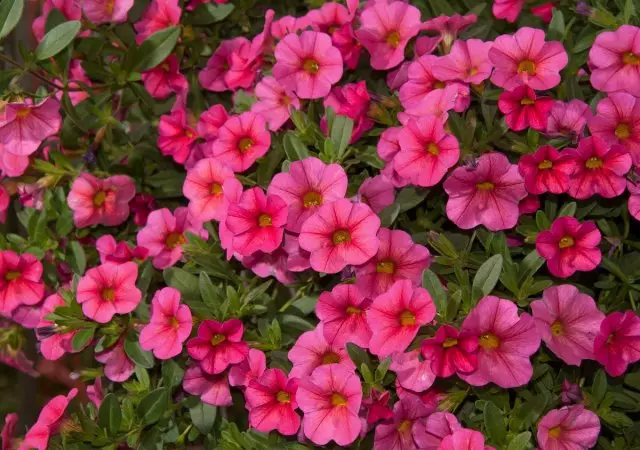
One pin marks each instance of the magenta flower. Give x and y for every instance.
(432, 430)
(523, 109)
(634, 197)
(343, 315)
(271, 401)
(568, 119)
(618, 122)
(233, 65)
(330, 399)
(252, 367)
(568, 322)
(572, 427)
(615, 61)
(211, 121)
(339, 234)
(112, 11)
(117, 365)
(397, 315)
(508, 10)
(308, 64)
(26, 125)
(141, 206)
(412, 372)
(212, 389)
(468, 61)
(385, 29)
(398, 258)
(397, 434)
(53, 344)
(421, 81)
(272, 264)
(159, 15)
(274, 102)
(464, 439)
(312, 350)
(486, 193)
(618, 343)
(506, 342)
(351, 100)
(218, 345)
(165, 79)
(118, 252)
(176, 136)
(20, 281)
(450, 351)
(546, 170)
(48, 423)
(309, 184)
(524, 58)
(378, 192)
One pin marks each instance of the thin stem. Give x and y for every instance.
(37, 75)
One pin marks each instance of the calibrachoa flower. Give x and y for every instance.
(523, 109)
(330, 399)
(20, 280)
(274, 102)
(53, 345)
(615, 61)
(48, 423)
(618, 343)
(421, 81)
(312, 350)
(412, 371)
(450, 351)
(464, 439)
(351, 100)
(398, 434)
(204, 188)
(100, 11)
(568, 119)
(159, 15)
(165, 79)
(434, 428)
(508, 10)
(252, 367)
(546, 170)
(117, 365)
(211, 121)
(343, 315)
(218, 345)
(118, 252)
(212, 389)
(571, 427)
(468, 61)
(378, 192)
(570, 246)
(176, 136)
(271, 400)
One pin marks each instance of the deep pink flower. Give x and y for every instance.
(218, 345)
(568, 119)
(176, 136)
(329, 17)
(111, 11)
(375, 407)
(398, 433)
(618, 343)
(544, 11)
(212, 389)
(26, 125)
(48, 423)
(385, 29)
(450, 351)
(506, 342)
(523, 109)
(31, 195)
(159, 15)
(568, 322)
(617, 121)
(396, 317)
(432, 430)
(464, 439)
(486, 193)
(163, 235)
(524, 58)
(118, 252)
(53, 343)
(288, 24)
(20, 280)
(351, 100)
(109, 289)
(572, 427)
(252, 367)
(546, 170)
(215, 75)
(448, 27)
(8, 430)
(508, 10)
(69, 9)
(308, 64)
(468, 61)
(211, 121)
(141, 206)
(421, 81)
(274, 102)
(76, 75)
(378, 192)
(615, 61)
(117, 365)
(271, 401)
(330, 399)
(343, 315)
(412, 372)
(204, 188)
(165, 79)
(311, 351)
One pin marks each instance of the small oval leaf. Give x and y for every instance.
(57, 39)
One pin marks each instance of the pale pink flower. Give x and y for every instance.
(618, 343)
(568, 119)
(615, 61)
(468, 61)
(378, 192)
(274, 102)
(252, 367)
(159, 15)
(204, 188)
(343, 315)
(218, 345)
(413, 372)
(106, 11)
(26, 126)
(617, 121)
(572, 427)
(312, 350)
(20, 280)
(212, 389)
(117, 365)
(271, 401)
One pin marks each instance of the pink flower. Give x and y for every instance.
(48, 423)
(330, 399)
(615, 61)
(375, 407)
(26, 125)
(241, 141)
(252, 367)
(308, 64)
(571, 427)
(53, 343)
(297, 258)
(507, 9)
(309, 184)
(218, 345)
(109, 289)
(398, 433)
(270, 264)
(20, 280)
(163, 236)
(343, 315)
(438, 103)
(523, 109)
(398, 258)
(450, 351)
(169, 326)
(571, 393)
(204, 188)
(8, 430)
(421, 81)
(568, 322)
(274, 102)
(212, 389)
(546, 170)
(568, 119)
(211, 121)
(618, 122)
(385, 29)
(69, 8)
(634, 196)
(76, 74)
(351, 100)
(95, 393)
(413, 372)
(31, 195)
(159, 15)
(118, 252)
(397, 315)
(506, 342)
(524, 58)
(141, 206)
(339, 234)
(311, 351)
(176, 137)
(433, 429)
(427, 152)
(468, 61)
(271, 400)
(544, 11)
(377, 192)
(165, 79)
(118, 367)
(448, 27)
(329, 17)
(486, 193)
(100, 11)
(598, 169)
(618, 343)
(464, 439)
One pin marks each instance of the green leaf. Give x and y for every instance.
(57, 39)
(203, 415)
(432, 283)
(568, 209)
(410, 197)
(183, 281)
(153, 406)
(210, 293)
(137, 355)
(487, 276)
(340, 134)
(293, 147)
(155, 49)
(143, 376)
(358, 355)
(599, 387)
(172, 373)
(208, 14)
(520, 441)
(78, 259)
(494, 424)
(10, 14)
(82, 338)
(109, 415)
(556, 26)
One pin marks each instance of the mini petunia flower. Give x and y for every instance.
(351, 100)
(271, 401)
(330, 399)
(634, 195)
(95, 392)
(339, 234)
(385, 29)
(468, 61)
(343, 315)
(26, 126)
(309, 184)
(571, 393)
(524, 109)
(438, 103)
(617, 121)
(570, 246)
(464, 439)
(421, 82)
(312, 350)
(204, 189)
(53, 344)
(568, 322)
(524, 58)
(615, 61)
(109, 289)
(430, 431)
(508, 10)
(76, 76)
(297, 258)
(118, 252)
(141, 206)
(117, 365)
(545, 170)
(506, 342)
(412, 372)
(450, 351)
(176, 136)
(8, 430)
(486, 193)
(169, 326)
(211, 121)
(449, 27)
(252, 367)
(274, 102)
(20, 281)
(375, 407)
(218, 345)
(307, 64)
(397, 315)
(398, 433)
(160, 14)
(70, 11)
(165, 79)
(272, 264)
(572, 427)
(111, 11)
(212, 389)
(618, 343)
(568, 119)
(48, 423)
(378, 192)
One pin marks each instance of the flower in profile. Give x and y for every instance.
(165, 79)
(378, 192)
(468, 61)
(218, 345)
(618, 343)
(112, 11)
(506, 342)
(351, 100)
(571, 427)
(448, 27)
(70, 11)
(412, 372)
(568, 119)
(312, 350)
(26, 125)
(338, 234)
(117, 365)
(20, 281)
(8, 430)
(274, 102)
(330, 399)
(615, 61)
(95, 392)
(450, 351)
(508, 10)
(464, 439)
(397, 315)
(48, 423)
(634, 195)
(438, 103)
(546, 170)
(113, 251)
(252, 367)
(233, 65)
(211, 121)
(204, 189)
(571, 393)
(307, 64)
(274, 264)
(212, 389)
(486, 193)
(141, 206)
(159, 15)
(524, 58)
(568, 322)
(433, 429)
(271, 401)
(176, 136)
(524, 109)
(397, 433)
(343, 315)
(53, 344)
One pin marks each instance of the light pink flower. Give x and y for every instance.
(545, 170)
(274, 102)
(450, 351)
(617, 121)
(271, 401)
(572, 427)
(159, 15)
(430, 432)
(438, 103)
(508, 10)
(398, 433)
(212, 389)
(204, 188)
(413, 372)
(101, 11)
(26, 125)
(218, 345)
(48, 423)
(165, 79)
(524, 109)
(468, 61)
(252, 367)
(20, 281)
(615, 61)
(117, 365)
(343, 315)
(118, 252)
(464, 439)
(568, 119)
(618, 343)
(311, 351)
(176, 136)
(53, 344)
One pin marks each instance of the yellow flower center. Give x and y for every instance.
(9, 276)
(353, 310)
(623, 131)
(108, 294)
(439, 85)
(216, 189)
(311, 66)
(450, 342)
(407, 318)
(489, 341)
(331, 358)
(311, 199)
(340, 237)
(527, 101)
(385, 267)
(283, 397)
(405, 426)
(545, 165)
(99, 198)
(555, 432)
(174, 239)
(631, 58)
(557, 329)
(264, 220)
(174, 323)
(473, 71)
(433, 149)
(338, 399)
(218, 339)
(593, 163)
(393, 39)
(245, 144)
(23, 113)
(110, 5)
(486, 186)
(527, 66)
(565, 242)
